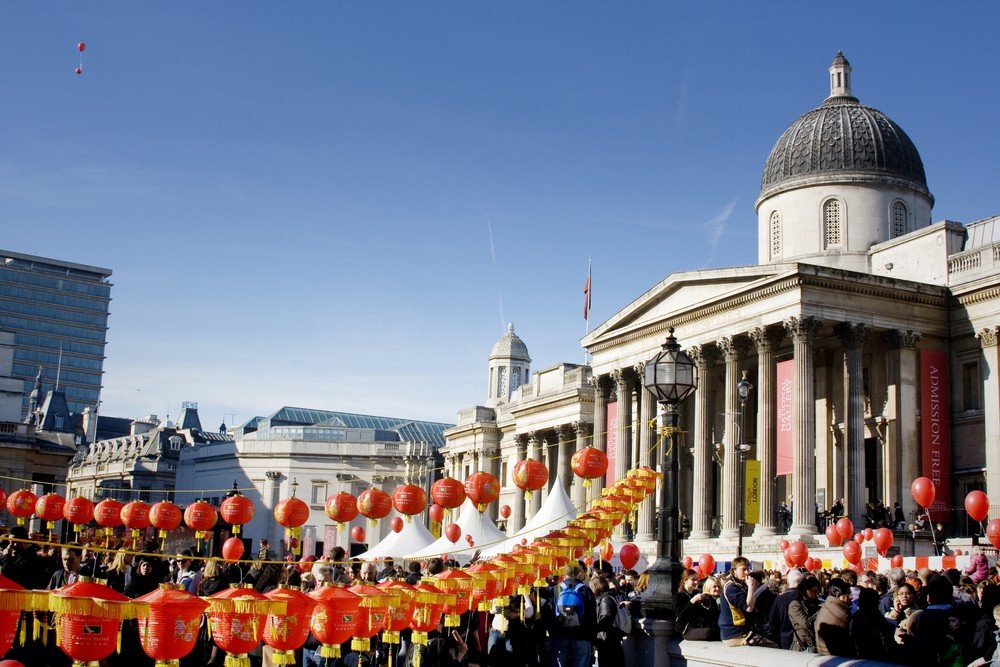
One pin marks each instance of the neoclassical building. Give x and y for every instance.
(869, 334)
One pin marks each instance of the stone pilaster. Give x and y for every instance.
(516, 521)
(803, 331)
(624, 382)
(647, 415)
(578, 493)
(602, 389)
(535, 444)
(733, 350)
(767, 341)
(704, 357)
(491, 464)
(271, 531)
(852, 337)
(988, 338)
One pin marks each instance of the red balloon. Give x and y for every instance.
(396, 524)
(783, 545)
(505, 511)
(81, 47)
(358, 534)
(232, 549)
(883, 540)
(852, 552)
(588, 561)
(923, 491)
(629, 555)
(687, 562)
(845, 528)
(977, 505)
(453, 532)
(436, 513)
(306, 563)
(859, 537)
(993, 532)
(524, 541)
(834, 535)
(798, 552)
(79, 70)
(707, 564)
(606, 551)
(958, 552)
(896, 561)
(868, 533)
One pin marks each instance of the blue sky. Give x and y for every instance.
(296, 198)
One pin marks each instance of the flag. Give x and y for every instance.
(586, 295)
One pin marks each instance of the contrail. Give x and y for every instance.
(496, 273)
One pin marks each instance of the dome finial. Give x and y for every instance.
(840, 76)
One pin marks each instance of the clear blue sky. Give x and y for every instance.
(295, 198)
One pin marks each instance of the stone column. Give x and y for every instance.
(803, 332)
(647, 413)
(578, 491)
(623, 454)
(767, 341)
(516, 521)
(491, 464)
(535, 445)
(852, 337)
(704, 357)
(733, 350)
(271, 498)
(988, 338)
(566, 436)
(602, 389)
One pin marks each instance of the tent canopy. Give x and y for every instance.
(413, 537)
(556, 511)
(472, 522)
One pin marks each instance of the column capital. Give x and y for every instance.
(803, 329)
(901, 340)
(989, 336)
(600, 383)
(703, 355)
(767, 338)
(852, 334)
(734, 347)
(273, 475)
(581, 428)
(566, 431)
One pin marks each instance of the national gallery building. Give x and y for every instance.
(868, 334)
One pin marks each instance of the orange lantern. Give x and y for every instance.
(236, 510)
(400, 609)
(21, 504)
(13, 600)
(482, 489)
(334, 618)
(108, 515)
(287, 632)
(164, 516)
(431, 602)
(485, 584)
(135, 516)
(374, 504)
(236, 619)
(372, 615)
(409, 499)
(200, 517)
(508, 575)
(457, 583)
(171, 630)
(449, 493)
(49, 509)
(530, 475)
(589, 463)
(89, 617)
(78, 511)
(341, 507)
(292, 513)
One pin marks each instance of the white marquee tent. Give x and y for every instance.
(472, 522)
(413, 537)
(556, 511)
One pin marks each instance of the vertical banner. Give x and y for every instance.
(611, 442)
(751, 488)
(785, 418)
(935, 428)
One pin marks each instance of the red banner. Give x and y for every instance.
(785, 426)
(611, 446)
(935, 427)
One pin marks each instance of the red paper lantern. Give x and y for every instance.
(287, 632)
(237, 616)
(883, 540)
(485, 584)
(845, 527)
(530, 475)
(977, 505)
(232, 549)
(400, 609)
(923, 491)
(170, 631)
(436, 513)
(49, 509)
(482, 489)
(374, 504)
(396, 524)
(3, 499)
(589, 463)
(108, 515)
(358, 534)
(165, 516)
(334, 618)
(292, 513)
(629, 555)
(21, 504)
(449, 493)
(89, 615)
(236, 510)
(707, 563)
(896, 561)
(341, 507)
(453, 532)
(15, 598)
(458, 583)
(852, 552)
(430, 606)
(135, 516)
(78, 511)
(201, 517)
(834, 535)
(409, 499)
(505, 512)
(372, 615)
(993, 532)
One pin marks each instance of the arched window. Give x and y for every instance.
(832, 224)
(775, 233)
(897, 219)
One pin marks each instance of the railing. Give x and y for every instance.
(974, 259)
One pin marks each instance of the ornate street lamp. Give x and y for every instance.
(671, 376)
(743, 389)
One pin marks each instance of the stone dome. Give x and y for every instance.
(511, 346)
(843, 141)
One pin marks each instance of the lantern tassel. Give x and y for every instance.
(168, 663)
(236, 529)
(118, 640)
(329, 651)
(359, 644)
(522, 609)
(586, 484)
(283, 657)
(23, 635)
(452, 620)
(239, 660)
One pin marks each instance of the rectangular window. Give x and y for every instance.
(318, 493)
(503, 473)
(972, 386)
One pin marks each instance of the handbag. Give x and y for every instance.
(696, 634)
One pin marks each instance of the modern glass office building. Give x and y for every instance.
(58, 312)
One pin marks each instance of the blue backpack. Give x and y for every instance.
(569, 606)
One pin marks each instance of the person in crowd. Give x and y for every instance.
(984, 636)
(144, 579)
(414, 575)
(20, 562)
(904, 603)
(213, 579)
(833, 621)
(979, 566)
(188, 573)
(736, 609)
(609, 638)
(699, 620)
(779, 626)
(895, 578)
(70, 571)
(870, 632)
(119, 572)
(687, 590)
(925, 635)
(762, 606)
(802, 612)
(574, 620)
(388, 570)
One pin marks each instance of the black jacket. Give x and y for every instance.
(779, 627)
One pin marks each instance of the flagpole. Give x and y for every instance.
(586, 306)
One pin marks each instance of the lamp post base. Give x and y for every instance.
(658, 598)
(652, 648)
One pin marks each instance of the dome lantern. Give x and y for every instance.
(840, 77)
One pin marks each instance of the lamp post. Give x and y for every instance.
(743, 389)
(671, 376)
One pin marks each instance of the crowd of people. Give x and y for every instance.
(586, 616)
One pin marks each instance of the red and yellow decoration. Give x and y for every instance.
(200, 517)
(78, 511)
(409, 499)
(49, 509)
(292, 513)
(372, 614)
(287, 632)
(341, 507)
(164, 516)
(334, 618)
(589, 463)
(530, 475)
(135, 516)
(236, 619)
(170, 631)
(237, 510)
(482, 489)
(21, 504)
(88, 619)
(374, 504)
(449, 493)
